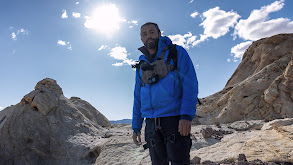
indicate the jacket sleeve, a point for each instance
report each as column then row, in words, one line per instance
column 136, row 115
column 189, row 82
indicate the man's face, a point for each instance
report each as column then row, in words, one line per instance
column 149, row 36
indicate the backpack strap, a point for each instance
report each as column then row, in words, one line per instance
column 172, row 55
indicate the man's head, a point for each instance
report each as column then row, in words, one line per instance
column 150, row 34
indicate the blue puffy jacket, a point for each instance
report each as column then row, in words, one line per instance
column 174, row 95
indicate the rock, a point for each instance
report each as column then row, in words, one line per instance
column 90, row 112
column 208, row 162
column 217, row 134
column 261, row 88
column 207, row 132
column 93, row 153
column 256, row 162
column 47, row 128
column 277, row 123
column 45, row 96
column 195, row 160
column 242, row 158
column 246, row 125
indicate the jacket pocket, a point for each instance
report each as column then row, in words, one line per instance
column 164, row 91
column 145, row 97
column 167, row 84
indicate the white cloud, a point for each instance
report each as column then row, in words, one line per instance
column 13, row 36
column 103, row 47
column 194, row 14
column 69, row 46
column 235, row 60
column 134, row 22
column 185, row 40
column 123, row 19
column 77, row 3
column 64, row 14
column 118, row 64
column 64, row 43
column 120, row 53
column 60, row 42
column 76, row 15
column 201, row 39
column 229, row 60
column 258, row 25
column 238, row 50
column 1, row 108
column 21, row 31
column 191, row 1
column 217, row 22
column 129, row 62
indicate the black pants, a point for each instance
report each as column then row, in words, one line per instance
column 165, row 143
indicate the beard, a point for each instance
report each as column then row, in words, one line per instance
column 153, row 44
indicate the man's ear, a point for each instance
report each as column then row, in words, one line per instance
column 141, row 39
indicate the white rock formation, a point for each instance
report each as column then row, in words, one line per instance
column 48, row 128
column 260, row 88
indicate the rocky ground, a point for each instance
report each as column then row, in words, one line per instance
column 257, row 141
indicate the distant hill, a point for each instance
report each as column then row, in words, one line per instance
column 123, row 121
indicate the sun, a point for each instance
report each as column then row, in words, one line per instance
column 105, row 19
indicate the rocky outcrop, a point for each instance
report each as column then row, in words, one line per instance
column 90, row 112
column 47, row 128
column 260, row 88
column 267, row 142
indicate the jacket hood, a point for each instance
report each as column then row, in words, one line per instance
column 163, row 42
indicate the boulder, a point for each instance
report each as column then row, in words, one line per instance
column 260, row 88
column 47, row 128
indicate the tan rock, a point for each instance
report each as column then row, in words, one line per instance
column 271, row 143
column 45, row 96
column 48, row 128
column 260, row 88
column 90, row 112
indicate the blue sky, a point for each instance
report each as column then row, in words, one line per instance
column 88, row 46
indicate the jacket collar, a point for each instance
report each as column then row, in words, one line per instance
column 163, row 42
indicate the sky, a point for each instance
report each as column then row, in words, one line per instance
column 88, row 46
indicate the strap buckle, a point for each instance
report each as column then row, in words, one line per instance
column 172, row 138
column 153, row 142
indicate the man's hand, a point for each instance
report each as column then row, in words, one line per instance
column 136, row 138
column 184, row 127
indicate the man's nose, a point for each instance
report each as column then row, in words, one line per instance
column 148, row 35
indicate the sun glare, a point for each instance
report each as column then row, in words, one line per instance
column 105, row 19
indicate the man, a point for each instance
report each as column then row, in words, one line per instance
column 165, row 94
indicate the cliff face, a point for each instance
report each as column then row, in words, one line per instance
column 47, row 128
column 260, row 88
